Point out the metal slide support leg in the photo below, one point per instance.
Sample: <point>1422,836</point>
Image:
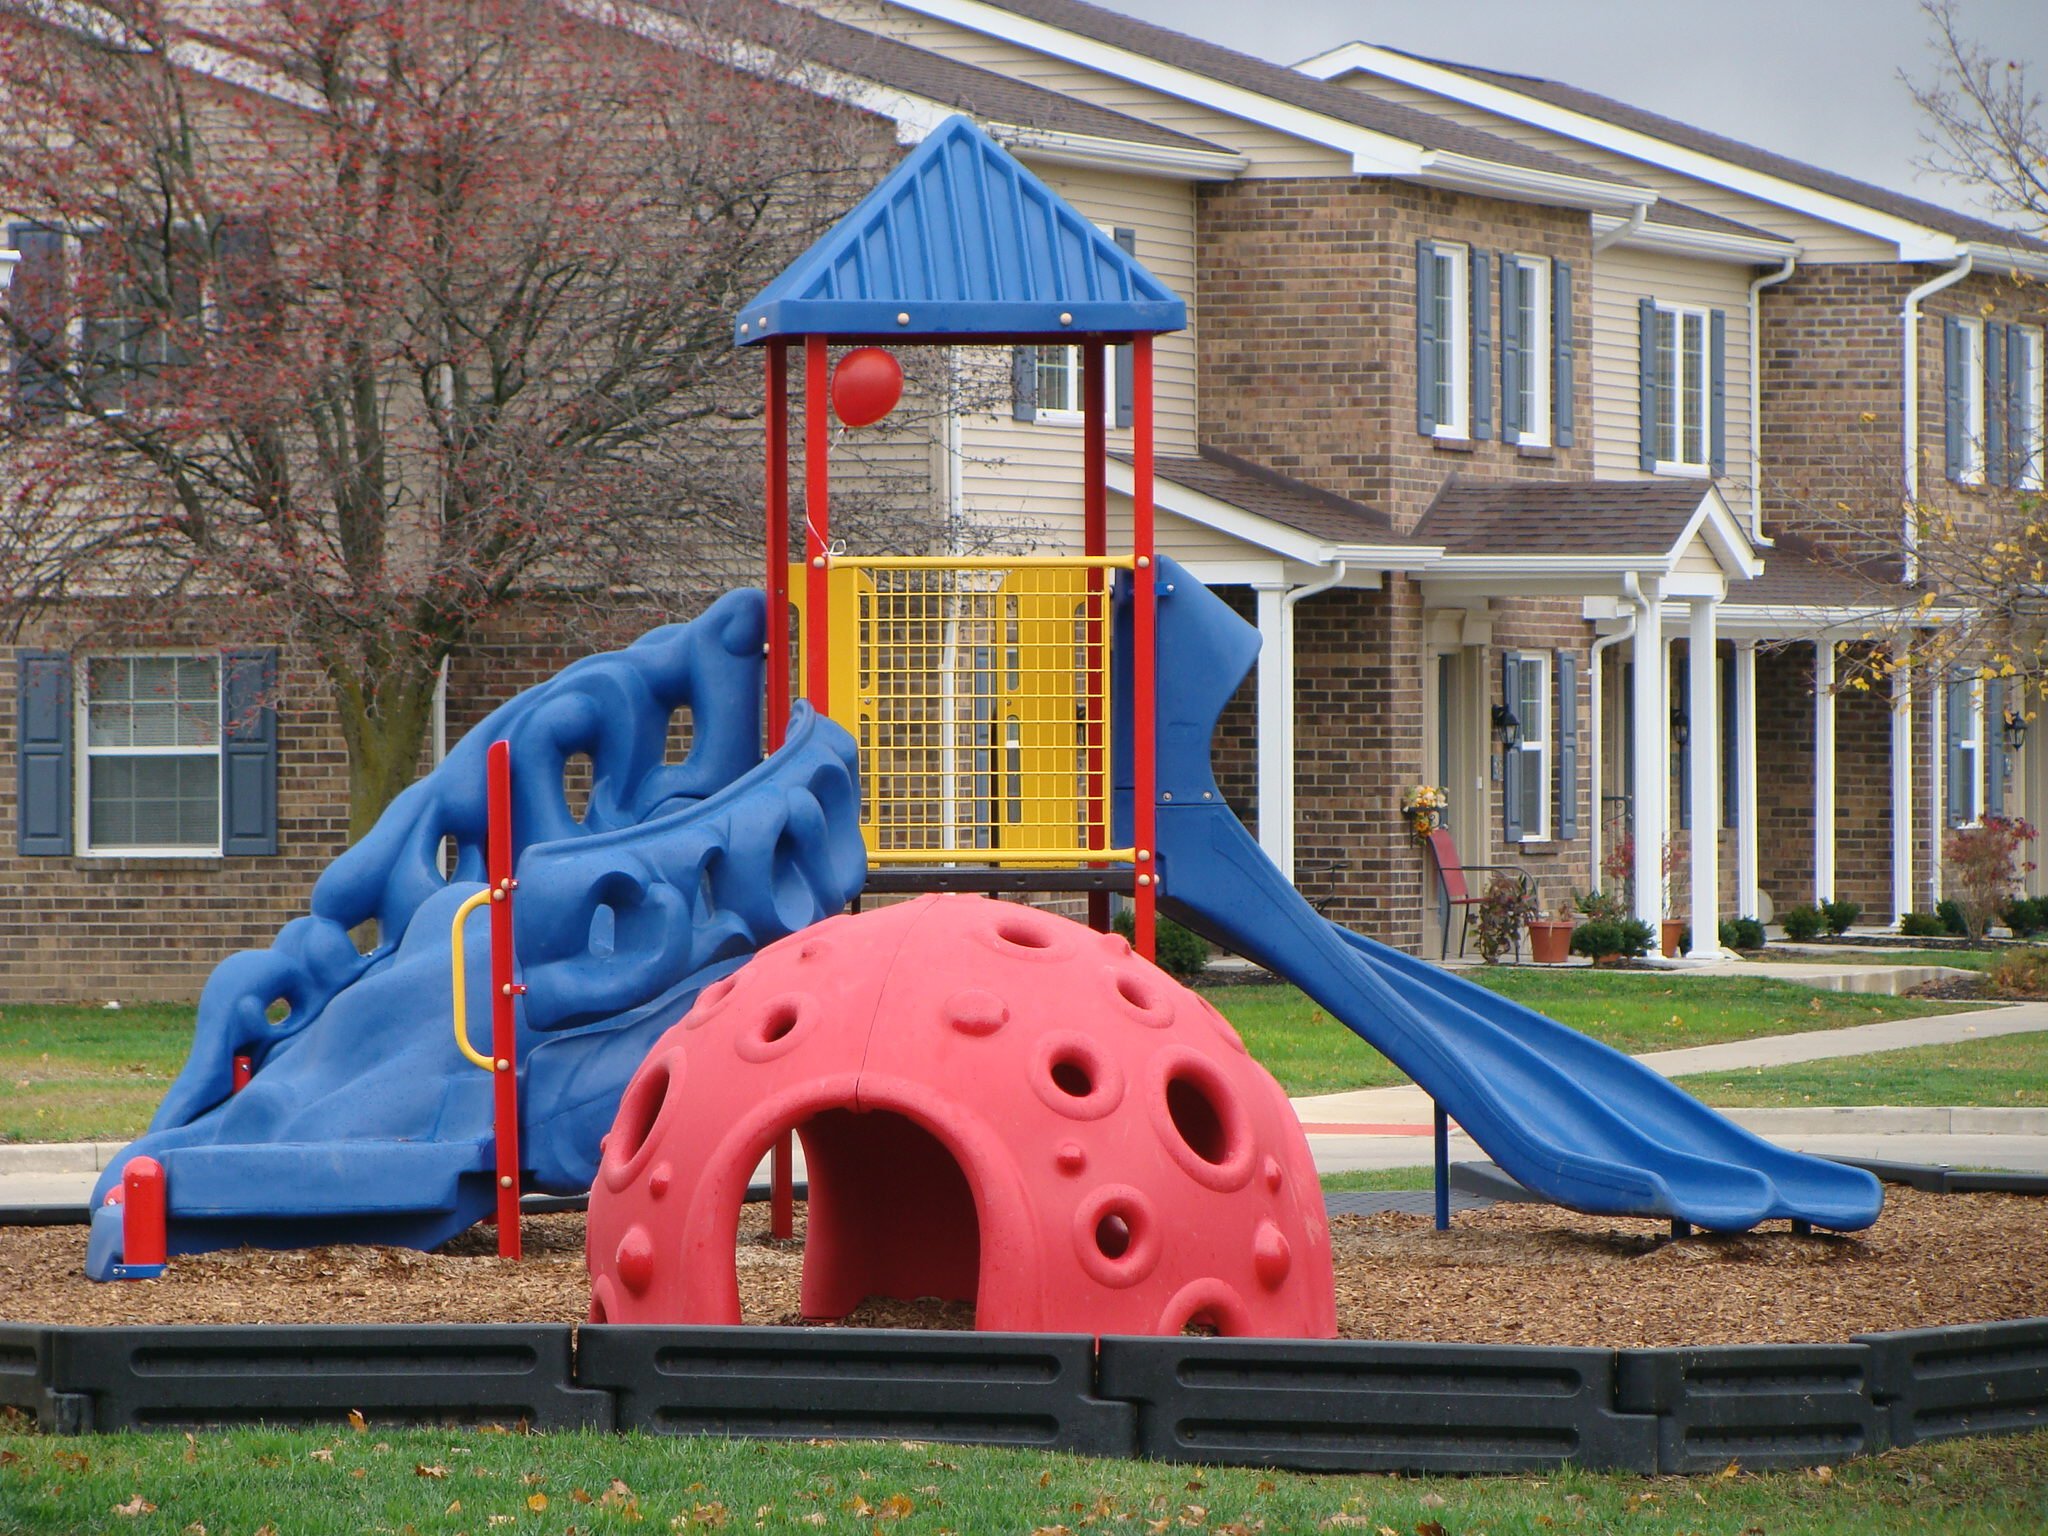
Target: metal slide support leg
<point>1443,1169</point>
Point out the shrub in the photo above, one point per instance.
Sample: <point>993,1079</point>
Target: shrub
<point>1985,863</point>
<point>1840,914</point>
<point>2019,973</point>
<point>2026,916</point>
<point>1802,924</point>
<point>1181,952</point>
<point>1609,904</point>
<point>1504,911</point>
<point>1603,936</point>
<point>1742,933</point>
<point>1950,915</point>
<point>1922,925</point>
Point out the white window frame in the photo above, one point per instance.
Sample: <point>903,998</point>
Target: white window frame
<point>1970,739</point>
<point>2027,447</point>
<point>1535,739</point>
<point>1973,403</point>
<point>1454,300</point>
<point>1537,359</point>
<point>81,735</point>
<point>1069,363</point>
<point>1674,388</point>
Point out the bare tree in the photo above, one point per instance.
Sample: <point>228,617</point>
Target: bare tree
<point>1985,124</point>
<point>378,316</point>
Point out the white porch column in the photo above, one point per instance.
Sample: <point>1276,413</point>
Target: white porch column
<point>1823,769</point>
<point>1705,737</point>
<point>1652,728</point>
<point>1276,726</point>
<point>1746,902</point>
<point>1902,793</point>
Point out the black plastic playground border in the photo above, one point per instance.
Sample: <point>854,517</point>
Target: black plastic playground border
<point>1314,1405</point>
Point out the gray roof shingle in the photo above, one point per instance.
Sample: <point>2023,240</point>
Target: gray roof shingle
<point>1276,497</point>
<point>1560,517</point>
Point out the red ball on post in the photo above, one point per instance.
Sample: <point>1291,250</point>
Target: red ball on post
<point>866,386</point>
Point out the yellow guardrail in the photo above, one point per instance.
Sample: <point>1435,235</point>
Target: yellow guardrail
<point>480,899</point>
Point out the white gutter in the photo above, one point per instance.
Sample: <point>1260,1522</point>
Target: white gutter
<point>1632,589</point>
<point>1054,148</point>
<point>1627,229</point>
<point>1286,784</point>
<point>1470,173</point>
<point>1909,527</point>
<point>1756,415</point>
<point>1684,240</point>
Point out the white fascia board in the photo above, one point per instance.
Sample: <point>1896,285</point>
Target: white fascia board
<point>1047,147</point>
<point>1916,242</point>
<point>1991,258</point>
<point>1372,154</point>
<point>1802,621</point>
<point>1706,244</point>
<point>1467,173</point>
<point>1724,535</point>
<point>1263,532</point>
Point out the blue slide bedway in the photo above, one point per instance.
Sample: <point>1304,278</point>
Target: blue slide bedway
<point>1576,1121</point>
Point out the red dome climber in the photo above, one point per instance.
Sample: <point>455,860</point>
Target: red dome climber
<point>996,1105</point>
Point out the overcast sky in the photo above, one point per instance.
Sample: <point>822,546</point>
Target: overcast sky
<point>1815,79</point>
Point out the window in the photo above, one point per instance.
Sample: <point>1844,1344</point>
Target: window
<point>1525,349</point>
<point>1060,398</point>
<point>1965,351</point>
<point>151,771</point>
<point>1679,371</point>
<point>1448,340</point>
<point>2024,407</point>
<point>1528,777</point>
<point>1963,721</point>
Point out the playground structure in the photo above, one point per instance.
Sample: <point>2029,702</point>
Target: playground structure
<point>987,724</point>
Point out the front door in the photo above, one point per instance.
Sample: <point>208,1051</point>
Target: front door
<point>1449,759</point>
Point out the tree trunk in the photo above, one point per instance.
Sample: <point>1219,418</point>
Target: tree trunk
<point>384,718</point>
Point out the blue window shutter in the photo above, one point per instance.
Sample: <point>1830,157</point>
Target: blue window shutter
<point>1567,745</point>
<point>1955,397</point>
<point>1994,404</point>
<point>2015,398</point>
<point>1561,350</point>
<point>1425,338</point>
<point>1646,383</point>
<point>1511,759</point>
<point>1717,386</point>
<point>248,751</point>
<point>1482,345</point>
<point>42,753</point>
<point>1511,340</point>
<point>1024,383</point>
<point>1994,748</point>
<point>1682,691</point>
<point>1125,372</point>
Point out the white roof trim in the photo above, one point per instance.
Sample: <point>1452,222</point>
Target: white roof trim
<point>1050,147</point>
<point>1916,242</point>
<point>1467,173</point>
<point>1708,244</point>
<point>1372,153</point>
<point>1263,532</point>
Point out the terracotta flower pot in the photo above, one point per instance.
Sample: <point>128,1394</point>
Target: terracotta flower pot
<point>1671,928</point>
<point>1550,940</point>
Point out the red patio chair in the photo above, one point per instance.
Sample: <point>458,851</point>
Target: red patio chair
<point>1452,870</point>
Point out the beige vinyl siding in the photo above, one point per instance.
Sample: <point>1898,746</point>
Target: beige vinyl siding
<point>1620,279</point>
<point>1029,473</point>
<point>1819,240</point>
<point>1271,153</point>
<point>1698,560</point>
<point>1180,539</point>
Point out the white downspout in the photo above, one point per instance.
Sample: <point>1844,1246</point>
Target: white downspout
<point>1621,232</point>
<point>1286,785</point>
<point>1910,314</point>
<point>1633,590</point>
<point>1756,388</point>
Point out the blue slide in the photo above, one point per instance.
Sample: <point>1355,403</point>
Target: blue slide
<point>1574,1120</point>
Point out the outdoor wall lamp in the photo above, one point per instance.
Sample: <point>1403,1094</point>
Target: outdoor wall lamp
<point>2015,730</point>
<point>1507,729</point>
<point>1681,728</point>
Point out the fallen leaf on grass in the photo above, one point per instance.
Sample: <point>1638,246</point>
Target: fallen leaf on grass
<point>1823,1474</point>
<point>894,1507</point>
<point>420,1469</point>
<point>135,1506</point>
<point>1432,1501</point>
<point>1264,1485</point>
<point>318,1453</point>
<point>579,1496</point>
<point>454,1507</point>
<point>1343,1522</point>
<point>537,1502</point>
<point>1429,1528</point>
<point>194,1529</point>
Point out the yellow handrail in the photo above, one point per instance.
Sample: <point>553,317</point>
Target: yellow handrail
<point>1002,856</point>
<point>983,562</point>
<point>480,899</point>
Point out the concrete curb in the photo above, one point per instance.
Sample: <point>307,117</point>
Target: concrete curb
<point>58,1156</point>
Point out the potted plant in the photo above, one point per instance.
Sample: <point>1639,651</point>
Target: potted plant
<point>1504,911</point>
<point>1605,940</point>
<point>1424,806</point>
<point>1672,929</point>
<point>1550,938</point>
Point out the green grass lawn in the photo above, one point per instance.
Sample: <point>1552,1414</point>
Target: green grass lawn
<point>434,1482</point>
<point>1359,1180</point>
<point>1957,959</point>
<point>2008,1070</point>
<point>87,1074</point>
<point>1630,1010</point>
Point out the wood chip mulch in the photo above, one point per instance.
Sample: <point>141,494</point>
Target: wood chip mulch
<point>1519,1274</point>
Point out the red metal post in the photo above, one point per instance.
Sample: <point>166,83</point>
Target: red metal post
<point>245,1068</point>
<point>1095,541</point>
<point>778,543</point>
<point>1144,669</point>
<point>504,994</point>
<point>144,1240</point>
<point>817,525</point>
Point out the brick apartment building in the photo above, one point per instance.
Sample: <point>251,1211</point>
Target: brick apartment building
<point>1503,411</point>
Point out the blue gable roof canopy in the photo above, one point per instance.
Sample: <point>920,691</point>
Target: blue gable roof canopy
<point>960,241</point>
